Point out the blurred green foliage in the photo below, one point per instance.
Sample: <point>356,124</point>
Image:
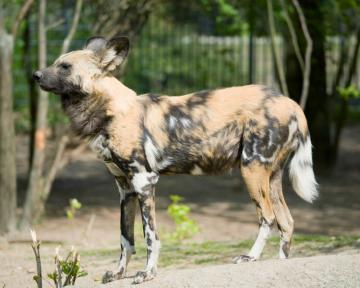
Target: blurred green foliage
<point>186,46</point>
<point>74,206</point>
<point>179,213</point>
<point>350,92</point>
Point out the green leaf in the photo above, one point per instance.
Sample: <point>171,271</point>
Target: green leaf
<point>82,274</point>
<point>75,204</point>
<point>37,278</point>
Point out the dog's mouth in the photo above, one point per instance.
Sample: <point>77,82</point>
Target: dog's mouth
<point>48,88</point>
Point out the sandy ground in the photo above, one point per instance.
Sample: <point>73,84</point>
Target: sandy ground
<point>320,271</point>
<point>220,205</point>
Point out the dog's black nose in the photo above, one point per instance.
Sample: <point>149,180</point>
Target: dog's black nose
<point>37,75</point>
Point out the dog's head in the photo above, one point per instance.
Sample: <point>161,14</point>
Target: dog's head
<point>75,72</point>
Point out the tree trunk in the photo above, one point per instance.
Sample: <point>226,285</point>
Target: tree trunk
<point>34,204</point>
<point>317,108</point>
<point>7,137</point>
<point>132,15</point>
<point>33,95</point>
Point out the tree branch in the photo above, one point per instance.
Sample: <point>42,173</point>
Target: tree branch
<point>276,52</point>
<point>308,53</point>
<point>20,16</point>
<point>341,65</point>
<point>74,24</point>
<point>56,164</point>
<point>293,35</point>
<point>353,60</point>
<point>55,24</point>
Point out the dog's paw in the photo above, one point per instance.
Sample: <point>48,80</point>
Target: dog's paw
<point>243,258</point>
<point>143,276</point>
<point>109,276</point>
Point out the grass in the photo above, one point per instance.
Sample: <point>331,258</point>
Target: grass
<point>177,254</point>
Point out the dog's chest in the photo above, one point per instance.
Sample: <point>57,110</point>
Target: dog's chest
<point>100,146</point>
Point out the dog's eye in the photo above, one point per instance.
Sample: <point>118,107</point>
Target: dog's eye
<point>65,66</point>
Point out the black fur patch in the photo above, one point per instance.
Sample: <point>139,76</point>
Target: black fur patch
<point>198,99</point>
<point>262,146</point>
<point>128,210</point>
<point>271,91</point>
<point>87,114</point>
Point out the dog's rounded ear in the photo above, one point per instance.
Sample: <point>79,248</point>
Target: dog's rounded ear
<point>96,44</point>
<point>117,49</point>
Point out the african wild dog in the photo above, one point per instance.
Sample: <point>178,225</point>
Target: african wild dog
<point>139,138</point>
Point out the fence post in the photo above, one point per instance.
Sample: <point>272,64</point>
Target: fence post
<point>251,43</point>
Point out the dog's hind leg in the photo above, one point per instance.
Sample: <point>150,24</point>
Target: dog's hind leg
<point>283,217</point>
<point>257,177</point>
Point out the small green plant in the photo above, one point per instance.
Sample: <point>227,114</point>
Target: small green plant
<point>66,271</point>
<point>69,268</point>
<point>179,213</point>
<point>74,205</point>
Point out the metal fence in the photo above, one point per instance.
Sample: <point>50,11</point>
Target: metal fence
<point>174,59</point>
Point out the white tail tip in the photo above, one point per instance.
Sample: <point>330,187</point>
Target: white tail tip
<point>302,174</point>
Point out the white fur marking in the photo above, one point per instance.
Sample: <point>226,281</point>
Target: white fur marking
<point>257,154</point>
<point>152,153</point>
<point>196,171</point>
<point>258,247</point>
<point>186,123</point>
<point>126,252</point>
<point>172,122</point>
<point>302,174</point>
<point>281,251</point>
<point>154,249</point>
<point>141,180</point>
<point>292,129</point>
<point>98,145</point>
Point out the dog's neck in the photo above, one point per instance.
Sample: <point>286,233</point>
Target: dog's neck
<point>121,98</point>
<point>90,113</point>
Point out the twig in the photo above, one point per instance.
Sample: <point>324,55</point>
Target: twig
<point>55,165</point>
<point>75,22</point>
<point>278,63</point>
<point>308,52</point>
<point>20,16</point>
<point>58,269</point>
<point>293,35</point>
<point>36,248</point>
<point>55,24</point>
<point>89,227</point>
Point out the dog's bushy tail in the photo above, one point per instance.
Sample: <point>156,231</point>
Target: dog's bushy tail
<point>301,172</point>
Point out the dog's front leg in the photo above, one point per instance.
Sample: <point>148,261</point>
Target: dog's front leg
<point>127,218</point>
<point>146,197</point>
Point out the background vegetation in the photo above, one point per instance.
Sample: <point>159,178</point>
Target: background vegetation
<point>177,47</point>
